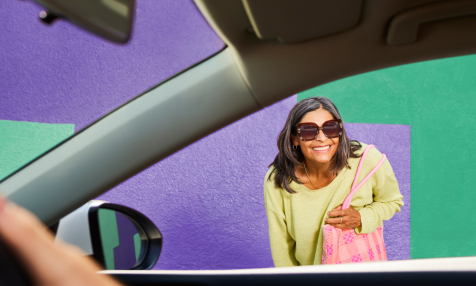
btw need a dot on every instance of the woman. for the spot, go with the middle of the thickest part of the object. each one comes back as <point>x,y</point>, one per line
<point>310,178</point>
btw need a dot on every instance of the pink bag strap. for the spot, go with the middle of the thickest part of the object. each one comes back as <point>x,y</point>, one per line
<point>354,189</point>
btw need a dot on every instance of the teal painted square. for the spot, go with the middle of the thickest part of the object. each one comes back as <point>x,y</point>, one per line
<point>21,142</point>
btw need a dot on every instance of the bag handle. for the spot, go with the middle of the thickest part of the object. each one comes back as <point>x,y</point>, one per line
<point>354,188</point>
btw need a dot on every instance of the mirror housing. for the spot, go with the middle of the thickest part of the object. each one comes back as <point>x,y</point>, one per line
<point>118,237</point>
<point>110,19</point>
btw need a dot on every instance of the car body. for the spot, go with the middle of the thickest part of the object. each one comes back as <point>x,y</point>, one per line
<point>252,72</point>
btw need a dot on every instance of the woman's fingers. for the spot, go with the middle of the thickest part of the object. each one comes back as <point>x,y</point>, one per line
<point>338,208</point>
<point>336,220</point>
<point>335,217</point>
<point>344,219</point>
<point>335,213</point>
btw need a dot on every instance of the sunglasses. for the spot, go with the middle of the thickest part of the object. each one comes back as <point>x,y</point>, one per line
<point>308,131</point>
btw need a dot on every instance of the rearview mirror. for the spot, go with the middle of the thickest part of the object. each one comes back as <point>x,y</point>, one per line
<point>118,237</point>
<point>110,19</point>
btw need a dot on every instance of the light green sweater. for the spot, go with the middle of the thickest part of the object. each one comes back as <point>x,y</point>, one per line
<point>295,220</point>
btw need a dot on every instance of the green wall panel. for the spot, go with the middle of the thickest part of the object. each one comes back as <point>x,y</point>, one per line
<point>20,142</point>
<point>438,99</point>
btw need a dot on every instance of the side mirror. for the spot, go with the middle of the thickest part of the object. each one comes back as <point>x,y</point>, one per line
<point>118,237</point>
<point>110,19</point>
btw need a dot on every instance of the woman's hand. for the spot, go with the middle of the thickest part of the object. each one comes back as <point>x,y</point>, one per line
<point>344,219</point>
<point>49,263</point>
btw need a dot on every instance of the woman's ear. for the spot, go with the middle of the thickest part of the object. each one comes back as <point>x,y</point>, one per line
<point>295,141</point>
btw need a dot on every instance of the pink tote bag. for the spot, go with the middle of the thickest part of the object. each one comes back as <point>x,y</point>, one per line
<point>346,246</point>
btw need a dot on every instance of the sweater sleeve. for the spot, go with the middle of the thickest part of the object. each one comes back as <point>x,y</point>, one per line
<point>387,199</point>
<point>282,244</point>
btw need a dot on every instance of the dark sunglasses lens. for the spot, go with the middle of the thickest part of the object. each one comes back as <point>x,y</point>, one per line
<point>331,129</point>
<point>308,132</point>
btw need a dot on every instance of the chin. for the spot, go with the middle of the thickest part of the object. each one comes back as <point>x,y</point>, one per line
<point>323,161</point>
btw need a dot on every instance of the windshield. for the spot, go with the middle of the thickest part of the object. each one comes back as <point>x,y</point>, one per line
<point>58,79</point>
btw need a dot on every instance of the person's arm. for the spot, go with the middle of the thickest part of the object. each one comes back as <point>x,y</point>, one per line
<point>282,245</point>
<point>387,200</point>
<point>49,264</point>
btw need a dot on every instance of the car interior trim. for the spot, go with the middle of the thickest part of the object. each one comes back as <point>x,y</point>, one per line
<point>413,265</point>
<point>291,21</point>
<point>403,28</point>
<point>274,70</point>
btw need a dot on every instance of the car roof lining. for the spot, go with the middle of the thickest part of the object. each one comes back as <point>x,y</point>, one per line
<point>297,21</point>
<point>274,70</point>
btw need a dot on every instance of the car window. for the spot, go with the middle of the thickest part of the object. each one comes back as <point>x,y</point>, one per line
<point>58,79</point>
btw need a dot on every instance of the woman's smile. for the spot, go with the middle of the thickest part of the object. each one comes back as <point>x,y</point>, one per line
<point>321,149</point>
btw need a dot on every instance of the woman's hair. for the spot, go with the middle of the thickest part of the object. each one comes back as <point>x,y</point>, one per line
<point>288,159</point>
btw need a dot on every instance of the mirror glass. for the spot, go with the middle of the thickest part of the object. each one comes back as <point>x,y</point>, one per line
<point>110,19</point>
<point>124,242</point>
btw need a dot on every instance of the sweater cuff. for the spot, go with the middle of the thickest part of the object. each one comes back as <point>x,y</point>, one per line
<point>368,223</point>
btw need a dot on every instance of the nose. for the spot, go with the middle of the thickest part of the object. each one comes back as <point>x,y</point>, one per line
<point>320,135</point>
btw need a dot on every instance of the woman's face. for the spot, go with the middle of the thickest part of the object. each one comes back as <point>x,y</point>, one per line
<point>321,149</point>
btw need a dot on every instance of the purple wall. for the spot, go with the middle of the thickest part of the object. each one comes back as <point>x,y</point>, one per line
<point>207,199</point>
<point>61,74</point>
